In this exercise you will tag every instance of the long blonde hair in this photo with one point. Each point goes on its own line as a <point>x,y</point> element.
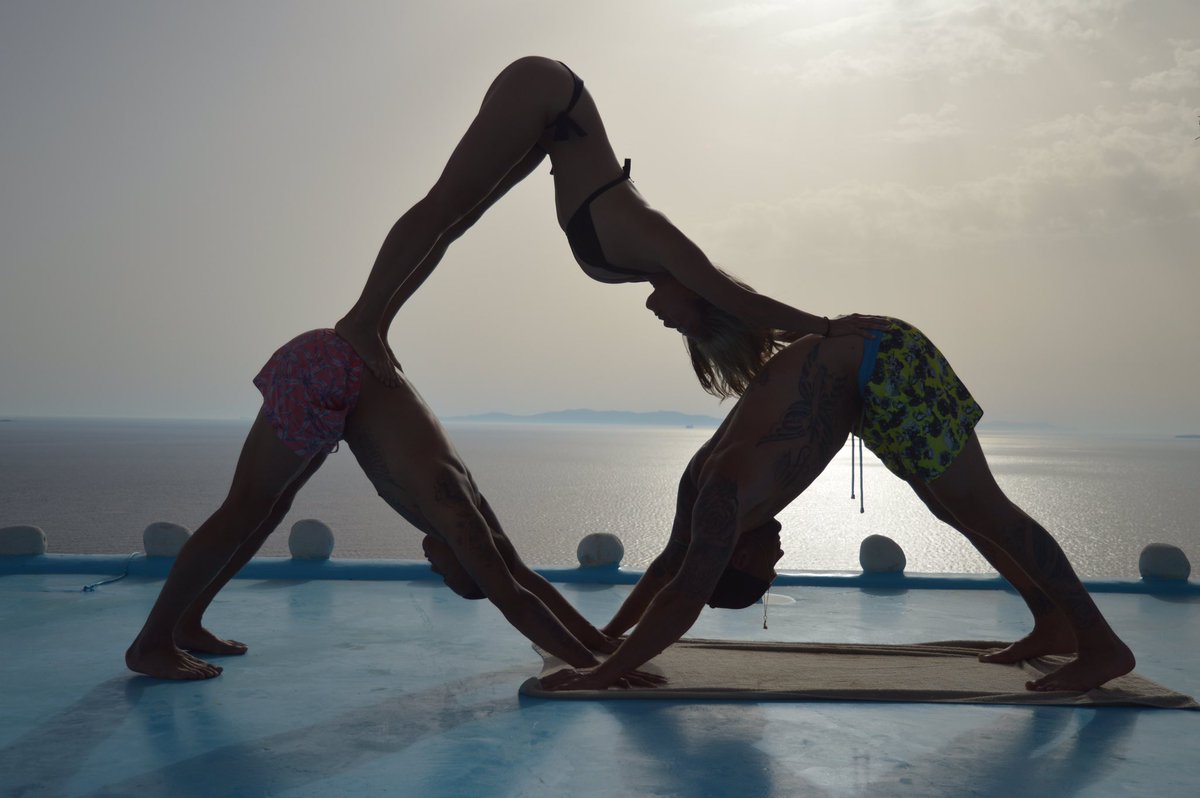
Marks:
<point>728,352</point>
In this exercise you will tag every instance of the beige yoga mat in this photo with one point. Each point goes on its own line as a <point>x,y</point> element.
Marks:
<point>942,672</point>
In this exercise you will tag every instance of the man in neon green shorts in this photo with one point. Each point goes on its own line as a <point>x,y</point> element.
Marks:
<point>898,391</point>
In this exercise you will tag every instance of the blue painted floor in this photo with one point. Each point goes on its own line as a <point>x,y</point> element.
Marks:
<point>355,688</point>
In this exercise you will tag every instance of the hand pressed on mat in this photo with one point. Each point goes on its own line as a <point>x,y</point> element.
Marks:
<point>586,679</point>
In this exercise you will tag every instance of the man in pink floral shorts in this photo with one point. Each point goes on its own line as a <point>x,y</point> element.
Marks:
<point>315,394</point>
<point>309,387</point>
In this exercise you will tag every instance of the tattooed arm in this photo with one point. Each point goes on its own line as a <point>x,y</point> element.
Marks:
<point>665,565</point>
<point>678,604</point>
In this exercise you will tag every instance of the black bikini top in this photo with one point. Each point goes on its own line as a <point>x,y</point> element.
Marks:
<point>585,244</point>
<point>580,230</point>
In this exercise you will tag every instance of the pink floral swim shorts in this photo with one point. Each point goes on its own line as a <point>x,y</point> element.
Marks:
<point>309,387</point>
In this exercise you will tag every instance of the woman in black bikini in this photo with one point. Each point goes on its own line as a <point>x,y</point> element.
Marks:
<point>538,107</point>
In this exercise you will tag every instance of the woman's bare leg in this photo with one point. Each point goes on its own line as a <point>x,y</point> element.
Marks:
<point>265,470</point>
<point>969,492</point>
<point>521,102</point>
<point>518,173</point>
<point>1051,630</point>
<point>190,634</point>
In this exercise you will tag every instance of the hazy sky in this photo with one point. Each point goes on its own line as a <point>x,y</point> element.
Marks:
<point>185,186</point>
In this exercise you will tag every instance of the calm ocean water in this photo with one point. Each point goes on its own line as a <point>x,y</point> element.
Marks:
<point>93,486</point>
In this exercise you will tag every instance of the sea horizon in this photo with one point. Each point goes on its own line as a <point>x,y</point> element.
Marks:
<point>93,486</point>
<point>620,417</point>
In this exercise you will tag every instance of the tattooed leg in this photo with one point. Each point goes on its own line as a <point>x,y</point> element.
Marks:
<point>970,493</point>
<point>1051,629</point>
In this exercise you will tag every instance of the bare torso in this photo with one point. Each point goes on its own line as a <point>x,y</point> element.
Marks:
<point>790,421</point>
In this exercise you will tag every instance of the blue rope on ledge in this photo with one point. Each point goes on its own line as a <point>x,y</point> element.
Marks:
<point>289,568</point>
<point>92,587</point>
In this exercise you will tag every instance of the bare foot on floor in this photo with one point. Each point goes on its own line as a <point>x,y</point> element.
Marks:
<point>370,347</point>
<point>168,662</point>
<point>1043,640</point>
<point>205,642</point>
<point>1088,670</point>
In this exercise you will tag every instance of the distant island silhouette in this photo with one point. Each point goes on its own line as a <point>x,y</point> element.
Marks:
<point>655,418</point>
<point>994,425</point>
<point>671,418</point>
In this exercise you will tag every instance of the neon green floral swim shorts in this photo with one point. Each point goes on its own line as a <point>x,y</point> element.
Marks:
<point>917,414</point>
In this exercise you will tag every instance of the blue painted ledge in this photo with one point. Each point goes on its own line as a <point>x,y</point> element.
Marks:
<point>288,568</point>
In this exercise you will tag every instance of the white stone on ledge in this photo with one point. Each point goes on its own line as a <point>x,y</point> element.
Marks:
<point>164,539</point>
<point>879,554</point>
<point>22,539</point>
<point>310,540</point>
<point>600,548</point>
<point>1164,561</point>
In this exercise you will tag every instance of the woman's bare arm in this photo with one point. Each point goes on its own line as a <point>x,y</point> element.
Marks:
<point>688,264</point>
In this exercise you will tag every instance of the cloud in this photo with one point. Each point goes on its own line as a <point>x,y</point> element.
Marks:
<point>1062,19</point>
<point>1079,173</point>
<point>915,128</point>
<point>956,54</point>
<point>955,39</point>
<point>740,15</point>
<point>849,26</point>
<point>1184,75</point>
<point>1139,138</point>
